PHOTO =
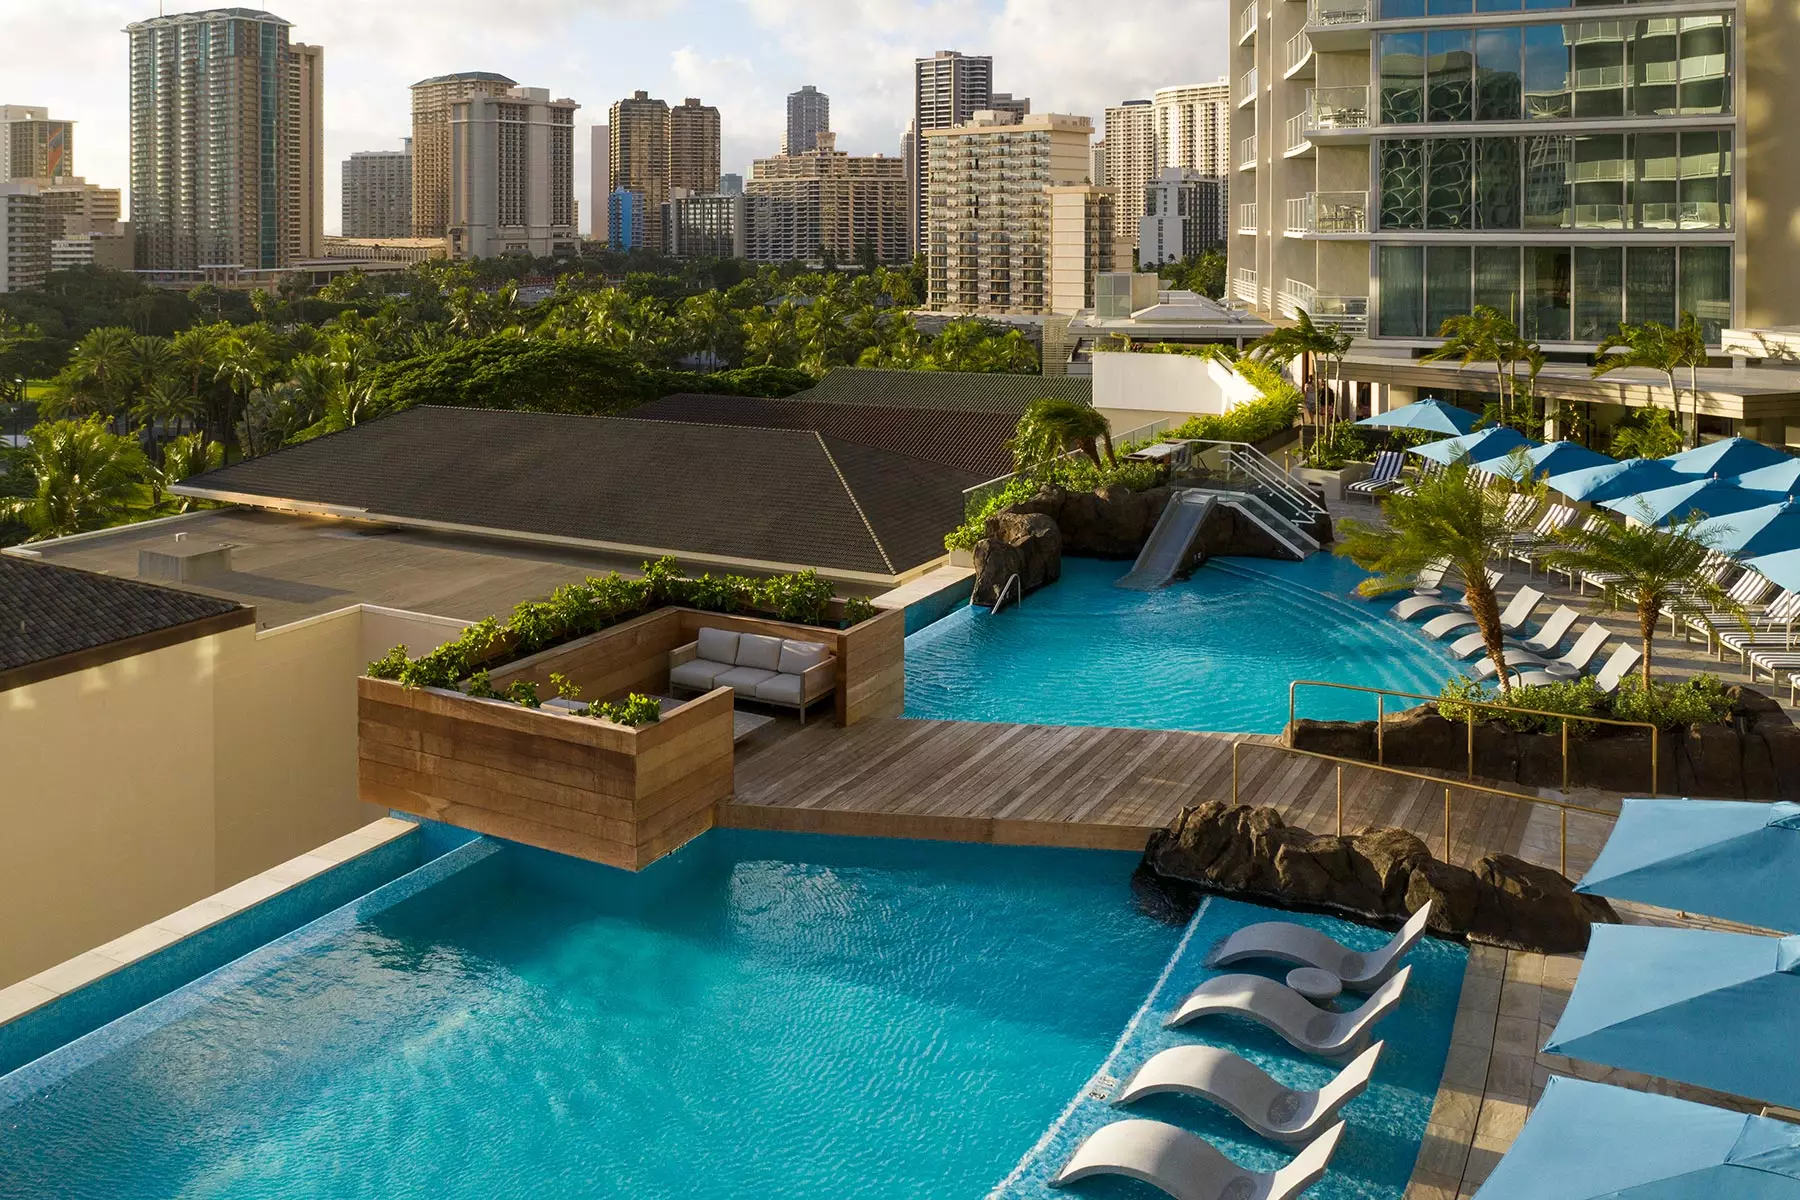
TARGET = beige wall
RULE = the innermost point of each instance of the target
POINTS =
(1770, 247)
(137, 787)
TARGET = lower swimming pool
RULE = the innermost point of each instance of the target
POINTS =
(1215, 652)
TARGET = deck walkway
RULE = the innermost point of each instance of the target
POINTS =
(1099, 788)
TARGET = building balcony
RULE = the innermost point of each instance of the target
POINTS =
(1246, 89)
(1243, 285)
(1326, 13)
(1293, 297)
(1246, 218)
(1295, 144)
(1246, 158)
(1246, 23)
(1328, 214)
(1297, 58)
(1337, 114)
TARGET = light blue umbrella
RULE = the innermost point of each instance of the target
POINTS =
(1609, 481)
(1783, 477)
(1729, 456)
(1717, 1010)
(1782, 569)
(1496, 441)
(1708, 497)
(1728, 859)
(1430, 416)
(1592, 1141)
(1553, 458)
(1770, 529)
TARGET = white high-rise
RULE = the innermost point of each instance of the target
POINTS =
(1193, 127)
(1130, 160)
(377, 193)
(512, 175)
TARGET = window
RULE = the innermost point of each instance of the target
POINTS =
(1497, 175)
(1655, 172)
(1705, 283)
(1499, 86)
(1400, 273)
(1599, 182)
(1705, 64)
(1497, 278)
(1403, 183)
(1599, 291)
(1449, 183)
(1654, 70)
(1402, 78)
(1447, 276)
(1449, 75)
(1546, 293)
(1547, 183)
(1706, 180)
(1546, 72)
(1599, 62)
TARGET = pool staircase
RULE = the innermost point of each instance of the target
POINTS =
(1171, 543)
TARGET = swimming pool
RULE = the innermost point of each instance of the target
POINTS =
(1215, 652)
(759, 1014)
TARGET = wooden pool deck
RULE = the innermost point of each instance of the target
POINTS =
(1101, 789)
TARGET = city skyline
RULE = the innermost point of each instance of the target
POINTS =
(743, 56)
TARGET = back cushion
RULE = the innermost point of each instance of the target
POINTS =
(796, 657)
(755, 650)
(718, 645)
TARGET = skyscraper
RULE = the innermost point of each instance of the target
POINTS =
(1130, 160)
(829, 204)
(949, 88)
(731, 184)
(378, 193)
(808, 115)
(1193, 127)
(224, 123)
(306, 66)
(431, 101)
(694, 146)
(32, 145)
(24, 246)
(600, 180)
(512, 175)
(640, 163)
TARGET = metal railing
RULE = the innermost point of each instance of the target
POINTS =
(1337, 12)
(1012, 584)
(1296, 53)
(1243, 284)
(1246, 87)
(1246, 222)
(1247, 154)
(1296, 141)
(1328, 213)
(1383, 695)
(1350, 312)
(1293, 297)
(1246, 24)
(1563, 807)
(1338, 107)
(1242, 464)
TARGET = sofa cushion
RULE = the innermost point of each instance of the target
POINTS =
(718, 645)
(781, 689)
(759, 652)
(797, 657)
(699, 674)
(743, 679)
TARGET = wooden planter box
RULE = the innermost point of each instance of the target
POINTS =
(615, 795)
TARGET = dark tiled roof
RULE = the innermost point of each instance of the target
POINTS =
(47, 611)
(947, 390)
(962, 439)
(771, 495)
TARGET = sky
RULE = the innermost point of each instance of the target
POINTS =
(744, 56)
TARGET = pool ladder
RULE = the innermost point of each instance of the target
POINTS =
(1013, 585)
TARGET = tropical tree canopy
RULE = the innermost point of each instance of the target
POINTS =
(1052, 427)
(82, 476)
(1653, 346)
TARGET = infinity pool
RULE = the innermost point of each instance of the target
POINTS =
(1215, 652)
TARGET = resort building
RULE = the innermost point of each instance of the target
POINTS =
(512, 175)
(431, 104)
(949, 88)
(599, 179)
(406, 250)
(826, 203)
(377, 193)
(1193, 127)
(988, 231)
(73, 207)
(226, 141)
(33, 145)
(1183, 215)
(703, 226)
(110, 251)
(808, 115)
(1098, 176)
(24, 244)
(1086, 242)
(1130, 158)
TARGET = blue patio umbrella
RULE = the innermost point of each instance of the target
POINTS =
(1496, 441)
(1612, 480)
(1554, 458)
(1708, 497)
(1782, 569)
(1717, 1010)
(1770, 529)
(1729, 456)
(1431, 416)
(1589, 1141)
(1727, 859)
(1783, 477)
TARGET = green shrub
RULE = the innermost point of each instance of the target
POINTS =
(566, 688)
(1337, 446)
(1273, 412)
(1071, 474)
(634, 710)
(858, 609)
(389, 665)
(798, 597)
(1701, 700)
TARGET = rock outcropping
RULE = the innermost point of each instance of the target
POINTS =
(1028, 545)
(1754, 757)
(1382, 876)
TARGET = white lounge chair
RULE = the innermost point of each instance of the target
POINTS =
(1249, 1093)
(1624, 660)
(1187, 1166)
(1299, 945)
(1299, 1022)
(1517, 613)
(1425, 599)
(1525, 547)
(1751, 590)
(1543, 642)
(1587, 648)
(1386, 474)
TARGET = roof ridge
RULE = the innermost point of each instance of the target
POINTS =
(854, 502)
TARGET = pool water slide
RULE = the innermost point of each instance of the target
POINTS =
(1171, 543)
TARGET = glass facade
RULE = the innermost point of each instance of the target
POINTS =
(1587, 70)
(1556, 293)
(1406, 10)
(1649, 181)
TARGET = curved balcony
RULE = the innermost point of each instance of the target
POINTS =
(1297, 57)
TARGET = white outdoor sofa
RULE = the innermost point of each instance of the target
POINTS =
(770, 670)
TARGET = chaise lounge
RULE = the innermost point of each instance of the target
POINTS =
(770, 670)
(1297, 945)
(1249, 1093)
(1288, 1014)
(1188, 1167)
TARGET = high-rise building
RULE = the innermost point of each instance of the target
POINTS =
(224, 133)
(1183, 216)
(1130, 159)
(808, 115)
(24, 246)
(1084, 244)
(1006, 102)
(431, 101)
(1098, 176)
(731, 184)
(828, 204)
(949, 88)
(1193, 127)
(32, 145)
(640, 162)
(306, 66)
(1574, 168)
(625, 220)
(600, 180)
(512, 175)
(694, 147)
(988, 226)
(704, 226)
(73, 207)
(377, 193)
(909, 154)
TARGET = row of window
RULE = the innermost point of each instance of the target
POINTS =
(1405, 10)
(1657, 181)
(1557, 293)
(1594, 69)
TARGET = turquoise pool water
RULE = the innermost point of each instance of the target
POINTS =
(1215, 652)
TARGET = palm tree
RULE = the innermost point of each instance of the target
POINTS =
(168, 401)
(185, 457)
(84, 475)
(98, 375)
(245, 361)
(1448, 517)
(1654, 571)
(1656, 347)
(1484, 335)
(1050, 428)
(1303, 340)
